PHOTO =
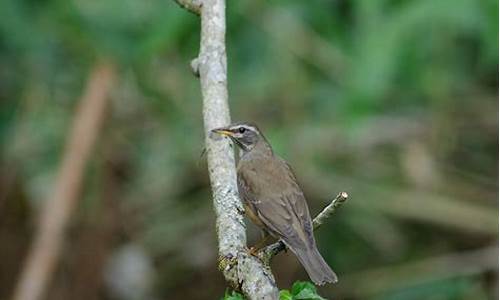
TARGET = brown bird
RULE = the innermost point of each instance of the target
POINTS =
(273, 200)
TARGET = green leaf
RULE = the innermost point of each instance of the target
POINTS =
(285, 295)
(303, 290)
(233, 296)
(308, 295)
(299, 286)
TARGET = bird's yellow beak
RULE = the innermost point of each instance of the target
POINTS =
(223, 132)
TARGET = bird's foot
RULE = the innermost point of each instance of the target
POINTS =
(241, 211)
(253, 251)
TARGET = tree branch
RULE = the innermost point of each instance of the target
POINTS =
(193, 6)
(329, 209)
(56, 211)
(241, 270)
(267, 253)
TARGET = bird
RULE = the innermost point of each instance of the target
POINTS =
(273, 199)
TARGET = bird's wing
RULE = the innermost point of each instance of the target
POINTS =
(281, 205)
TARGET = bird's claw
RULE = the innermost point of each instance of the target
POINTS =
(253, 251)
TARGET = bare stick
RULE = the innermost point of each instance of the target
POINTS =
(241, 270)
(56, 211)
(193, 6)
(270, 251)
(329, 209)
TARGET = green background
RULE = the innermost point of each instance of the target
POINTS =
(394, 102)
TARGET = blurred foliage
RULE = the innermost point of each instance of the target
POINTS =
(393, 101)
(301, 290)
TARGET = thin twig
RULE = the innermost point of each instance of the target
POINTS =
(267, 253)
(193, 6)
(329, 209)
(56, 211)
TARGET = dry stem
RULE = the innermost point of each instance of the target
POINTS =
(56, 211)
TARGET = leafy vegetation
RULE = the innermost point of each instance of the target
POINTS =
(301, 290)
(233, 296)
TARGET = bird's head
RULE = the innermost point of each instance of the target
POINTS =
(245, 135)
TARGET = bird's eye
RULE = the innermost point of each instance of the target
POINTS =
(242, 129)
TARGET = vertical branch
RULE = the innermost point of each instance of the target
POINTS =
(241, 270)
(56, 211)
(211, 64)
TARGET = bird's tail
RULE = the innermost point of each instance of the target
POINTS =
(318, 270)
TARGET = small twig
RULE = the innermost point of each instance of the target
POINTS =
(329, 210)
(270, 251)
(193, 6)
(195, 67)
